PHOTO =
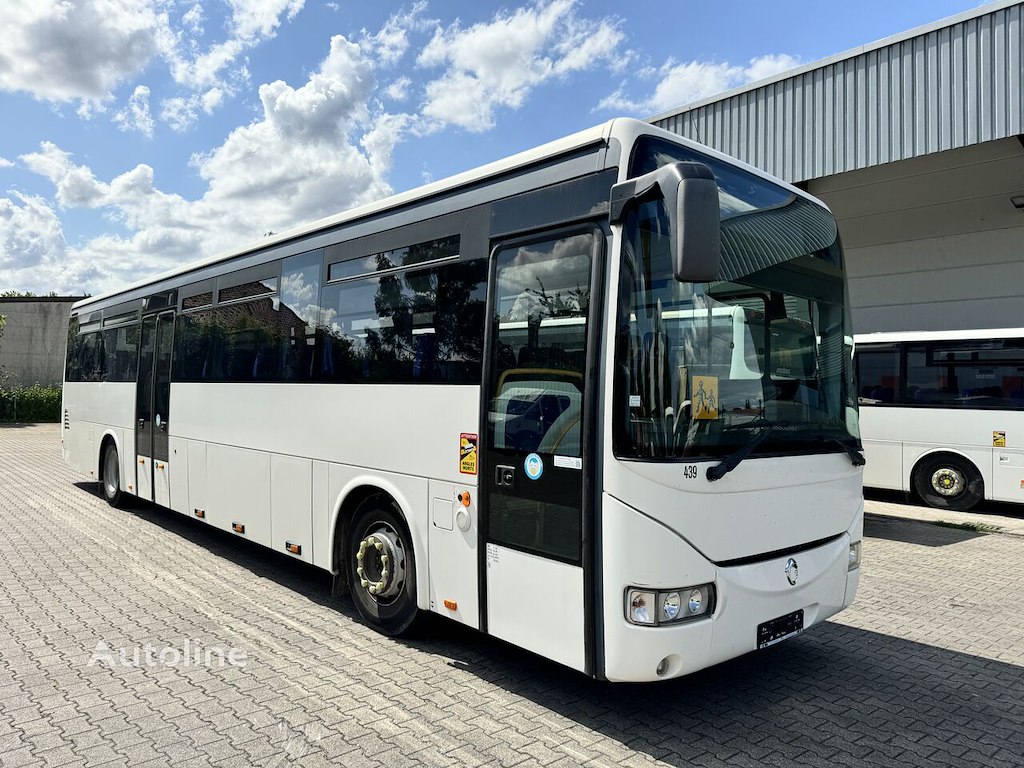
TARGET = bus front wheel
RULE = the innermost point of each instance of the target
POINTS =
(948, 481)
(381, 567)
(110, 475)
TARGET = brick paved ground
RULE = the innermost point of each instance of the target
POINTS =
(926, 669)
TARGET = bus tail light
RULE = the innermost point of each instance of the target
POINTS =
(650, 608)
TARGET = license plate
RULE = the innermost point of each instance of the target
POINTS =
(782, 628)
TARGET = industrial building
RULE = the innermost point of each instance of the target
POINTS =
(915, 142)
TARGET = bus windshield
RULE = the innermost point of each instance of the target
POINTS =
(701, 368)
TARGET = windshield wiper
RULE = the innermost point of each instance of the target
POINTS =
(856, 457)
(730, 462)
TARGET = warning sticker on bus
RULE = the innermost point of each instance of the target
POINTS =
(468, 453)
(998, 439)
(705, 397)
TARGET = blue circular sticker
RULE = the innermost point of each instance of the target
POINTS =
(533, 466)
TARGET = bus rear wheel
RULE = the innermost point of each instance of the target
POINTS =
(110, 475)
(381, 567)
(947, 481)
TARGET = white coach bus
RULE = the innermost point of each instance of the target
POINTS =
(477, 399)
(942, 414)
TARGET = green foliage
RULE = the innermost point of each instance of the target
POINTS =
(30, 404)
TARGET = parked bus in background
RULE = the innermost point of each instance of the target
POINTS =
(942, 414)
(504, 398)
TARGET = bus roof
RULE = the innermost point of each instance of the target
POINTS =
(898, 336)
(626, 130)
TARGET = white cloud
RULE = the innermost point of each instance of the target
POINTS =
(498, 63)
(770, 65)
(251, 22)
(399, 89)
(135, 116)
(316, 149)
(67, 51)
(5, 163)
(682, 84)
(32, 248)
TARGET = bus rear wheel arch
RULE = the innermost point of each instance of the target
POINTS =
(110, 473)
(948, 481)
(380, 565)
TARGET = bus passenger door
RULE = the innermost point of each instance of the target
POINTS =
(536, 425)
(152, 408)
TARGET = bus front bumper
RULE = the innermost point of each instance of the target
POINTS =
(748, 597)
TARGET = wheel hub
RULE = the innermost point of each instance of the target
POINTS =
(947, 481)
(380, 565)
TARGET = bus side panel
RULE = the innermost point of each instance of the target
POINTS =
(1008, 474)
(178, 450)
(196, 498)
(291, 505)
(883, 451)
(94, 408)
(238, 491)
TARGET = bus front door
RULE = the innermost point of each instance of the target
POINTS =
(152, 408)
(532, 478)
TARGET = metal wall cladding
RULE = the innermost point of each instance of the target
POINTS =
(946, 88)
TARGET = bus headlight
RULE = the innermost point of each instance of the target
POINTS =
(649, 608)
(640, 607)
(854, 561)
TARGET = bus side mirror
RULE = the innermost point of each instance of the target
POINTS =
(691, 203)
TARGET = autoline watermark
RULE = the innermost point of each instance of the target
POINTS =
(191, 653)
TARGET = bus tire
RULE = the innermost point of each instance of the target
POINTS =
(948, 481)
(110, 475)
(382, 567)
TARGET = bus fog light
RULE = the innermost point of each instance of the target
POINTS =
(641, 607)
(670, 605)
(854, 561)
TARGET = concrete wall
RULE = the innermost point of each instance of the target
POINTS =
(34, 339)
(934, 243)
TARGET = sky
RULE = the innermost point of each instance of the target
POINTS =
(139, 135)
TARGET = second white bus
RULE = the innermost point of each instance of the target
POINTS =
(942, 414)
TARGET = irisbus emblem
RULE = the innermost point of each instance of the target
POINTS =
(792, 571)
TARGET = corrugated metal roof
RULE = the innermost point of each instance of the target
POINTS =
(946, 85)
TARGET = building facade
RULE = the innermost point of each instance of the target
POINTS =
(916, 144)
(34, 338)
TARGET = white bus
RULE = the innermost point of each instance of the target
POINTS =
(477, 399)
(942, 414)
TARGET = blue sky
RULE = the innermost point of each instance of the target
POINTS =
(138, 135)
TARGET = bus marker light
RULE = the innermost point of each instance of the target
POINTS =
(238, 527)
(295, 549)
(200, 513)
(464, 498)
(451, 605)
